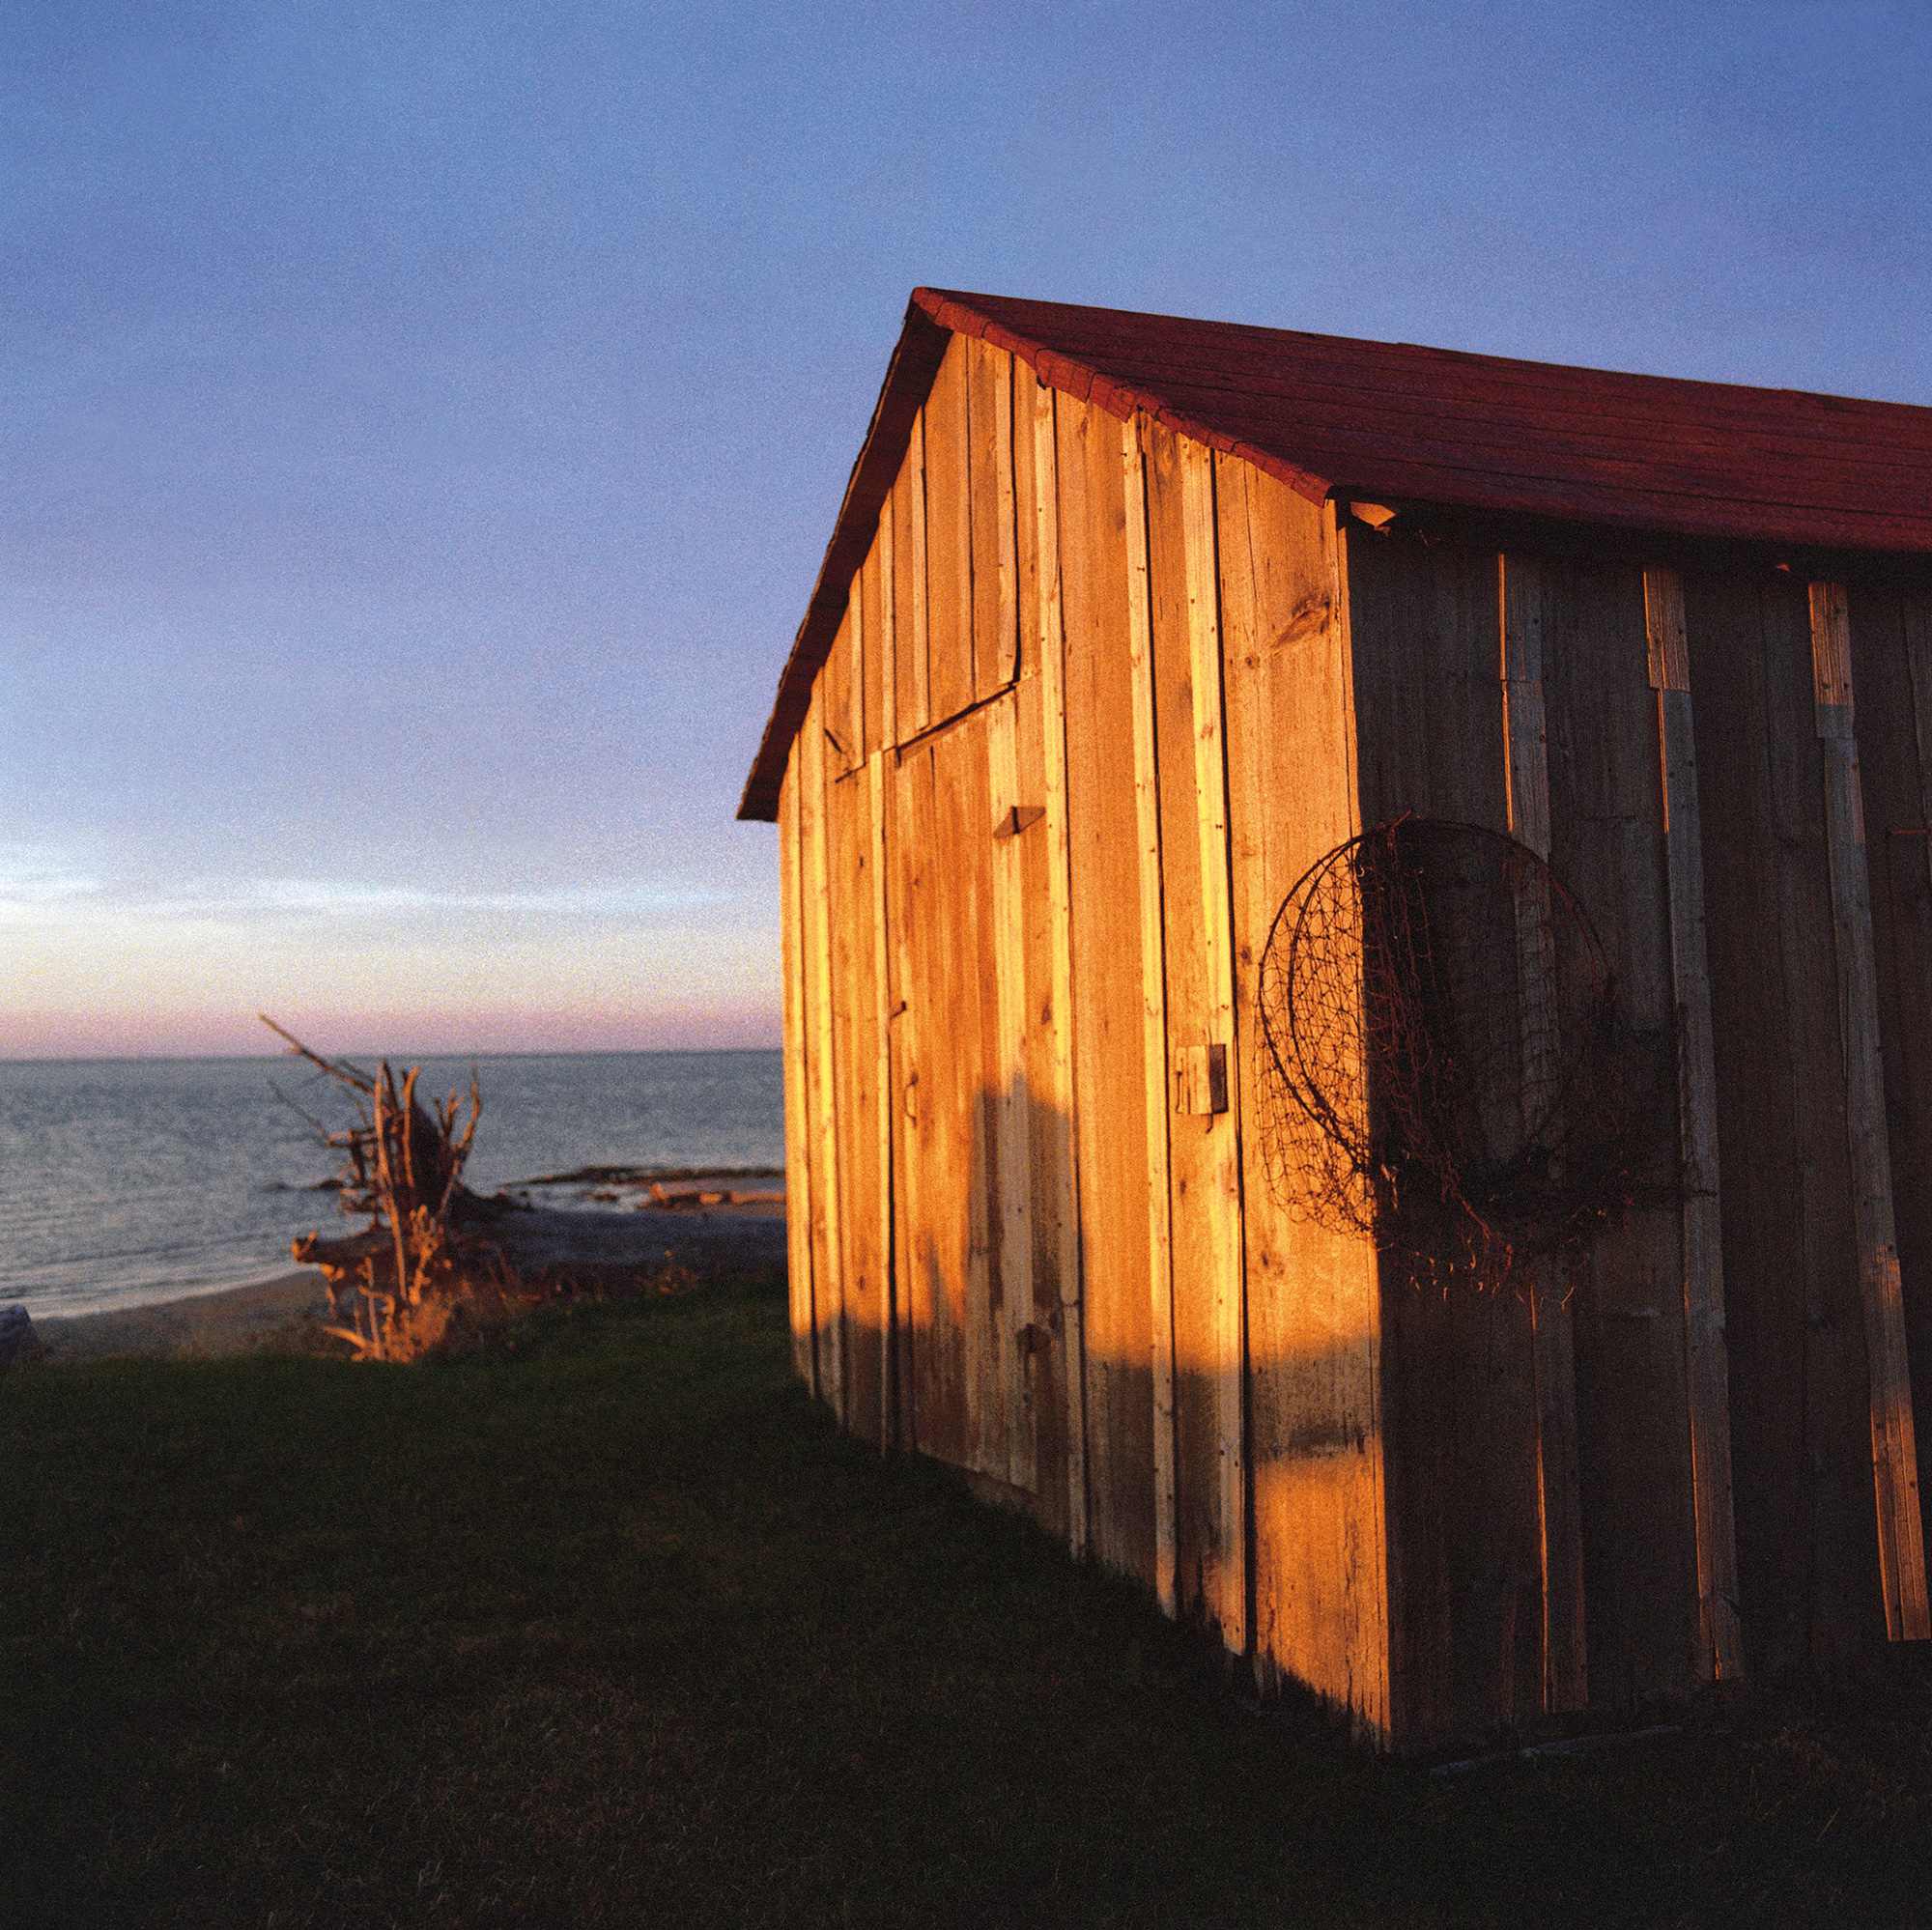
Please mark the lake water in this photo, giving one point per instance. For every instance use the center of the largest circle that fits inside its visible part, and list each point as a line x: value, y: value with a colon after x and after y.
x: 127, y: 1181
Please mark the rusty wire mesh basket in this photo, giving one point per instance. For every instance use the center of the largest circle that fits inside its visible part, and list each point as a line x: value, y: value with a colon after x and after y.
x: 1443, y: 1064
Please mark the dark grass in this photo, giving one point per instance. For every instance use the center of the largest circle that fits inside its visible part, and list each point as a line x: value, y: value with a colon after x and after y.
x: 607, y: 1625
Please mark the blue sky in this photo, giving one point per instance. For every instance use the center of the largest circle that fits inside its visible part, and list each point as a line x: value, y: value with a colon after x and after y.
x: 421, y: 425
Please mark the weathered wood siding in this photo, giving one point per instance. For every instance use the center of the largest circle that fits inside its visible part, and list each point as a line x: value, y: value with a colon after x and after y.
x: 1459, y: 1378
x: 929, y: 943
x: 1633, y: 1416
x: 1808, y: 1548
x: 1314, y: 1447
x: 1109, y: 1035
x: 1516, y: 693
x: 1203, y: 1165
x: 1892, y: 659
x: 797, y: 1084
x: 1100, y: 699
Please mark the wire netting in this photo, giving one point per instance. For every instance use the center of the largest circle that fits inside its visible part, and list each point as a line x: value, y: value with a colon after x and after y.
x: 1443, y: 1062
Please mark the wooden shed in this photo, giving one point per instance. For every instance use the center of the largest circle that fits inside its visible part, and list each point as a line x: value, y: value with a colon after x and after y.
x: 1163, y: 681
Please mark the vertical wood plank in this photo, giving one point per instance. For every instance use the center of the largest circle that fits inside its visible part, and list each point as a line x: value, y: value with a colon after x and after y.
x: 1227, y: 1588
x: 828, y: 1304
x: 1888, y: 636
x: 1802, y: 1470
x: 1917, y: 619
x: 861, y: 670
x: 910, y: 781
x: 917, y: 565
x: 942, y: 877
x: 1060, y: 1099
x: 983, y: 508
x: 1565, y: 1662
x: 1196, y: 1436
x: 949, y: 540
x: 1910, y: 894
x: 1110, y: 1125
x: 963, y: 1078
x: 835, y: 702
x: 1313, y: 1293
x: 1707, y: 1364
x: 995, y: 604
x: 1006, y: 662
x: 1836, y: 1575
x: 879, y: 569
x: 798, y: 1106
x: 1627, y: 1303
x: 878, y: 657
x: 1045, y: 1338
x: 1010, y: 1095
x: 1457, y: 1381
x: 1026, y: 534
x: 912, y: 710
x: 858, y: 1097
x: 1894, y: 1451
x: 882, y: 1074
x: 1153, y: 1012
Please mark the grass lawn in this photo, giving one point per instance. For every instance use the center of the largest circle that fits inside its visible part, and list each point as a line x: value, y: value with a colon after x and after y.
x: 608, y: 1625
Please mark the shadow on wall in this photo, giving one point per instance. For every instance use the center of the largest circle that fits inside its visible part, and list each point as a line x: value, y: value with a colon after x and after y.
x: 960, y: 1350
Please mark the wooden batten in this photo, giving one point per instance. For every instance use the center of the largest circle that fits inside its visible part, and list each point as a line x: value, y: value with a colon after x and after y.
x: 828, y: 1299
x: 1153, y: 1012
x: 797, y: 1077
x: 1059, y: 1101
x: 1227, y: 1588
x: 1565, y: 1653
x: 1706, y: 1361
x: 1894, y: 1450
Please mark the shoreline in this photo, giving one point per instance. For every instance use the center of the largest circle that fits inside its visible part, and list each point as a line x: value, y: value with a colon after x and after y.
x: 280, y: 1315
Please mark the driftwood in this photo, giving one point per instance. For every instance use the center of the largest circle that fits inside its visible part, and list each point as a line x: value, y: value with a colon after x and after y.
x: 395, y: 1289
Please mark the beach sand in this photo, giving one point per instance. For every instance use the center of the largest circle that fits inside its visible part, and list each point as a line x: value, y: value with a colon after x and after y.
x: 203, y: 1326
x: 280, y: 1315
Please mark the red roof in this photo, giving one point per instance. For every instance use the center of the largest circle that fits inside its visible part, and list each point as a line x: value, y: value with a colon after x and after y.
x: 1381, y: 420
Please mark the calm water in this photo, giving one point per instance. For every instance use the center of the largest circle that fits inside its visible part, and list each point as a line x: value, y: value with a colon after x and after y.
x: 123, y: 1182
